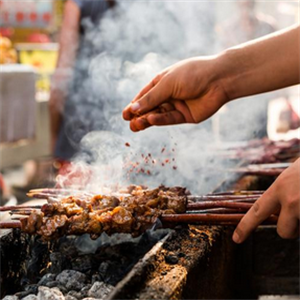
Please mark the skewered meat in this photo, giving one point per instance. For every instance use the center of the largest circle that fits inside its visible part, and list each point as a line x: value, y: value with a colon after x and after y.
x: 133, y: 213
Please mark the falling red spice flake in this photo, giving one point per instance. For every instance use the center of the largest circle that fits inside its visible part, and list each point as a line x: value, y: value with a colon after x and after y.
x: 149, y: 154
x: 173, y: 159
x: 174, y: 167
x: 167, y: 161
x: 143, y: 156
x: 153, y: 161
x: 148, y: 172
x: 163, y: 150
x: 127, y: 144
x: 163, y: 164
x: 142, y: 170
x: 173, y: 150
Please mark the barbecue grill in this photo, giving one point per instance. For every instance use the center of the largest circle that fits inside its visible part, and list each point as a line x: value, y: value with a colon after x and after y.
x: 187, y: 261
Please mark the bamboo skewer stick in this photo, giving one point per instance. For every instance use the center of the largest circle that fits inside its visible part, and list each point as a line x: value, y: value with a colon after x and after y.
x: 238, y: 193
x: 56, y: 191
x: 219, y: 204
x: 223, y: 198
x: 215, y: 211
x: 10, y: 224
x: 16, y: 207
x: 210, y: 218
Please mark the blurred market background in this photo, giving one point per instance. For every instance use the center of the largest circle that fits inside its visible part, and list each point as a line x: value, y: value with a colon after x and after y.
x: 29, y: 45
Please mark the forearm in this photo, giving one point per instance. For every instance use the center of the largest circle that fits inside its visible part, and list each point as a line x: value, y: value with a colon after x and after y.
x: 262, y: 65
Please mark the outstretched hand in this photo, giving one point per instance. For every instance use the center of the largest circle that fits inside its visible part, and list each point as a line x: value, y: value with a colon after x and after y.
x: 186, y: 92
x: 282, y: 197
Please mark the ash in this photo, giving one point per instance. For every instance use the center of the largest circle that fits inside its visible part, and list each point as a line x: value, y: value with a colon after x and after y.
x: 70, y: 268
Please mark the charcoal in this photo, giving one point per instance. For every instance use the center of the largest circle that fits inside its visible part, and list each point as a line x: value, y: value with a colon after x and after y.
x: 58, y: 262
x: 95, y: 277
x: 29, y: 290
x: 72, y: 280
x: 86, y: 288
x: 52, y: 284
x: 69, y: 297
x: 100, y: 290
x: 30, y: 297
x: 32, y: 288
x: 103, y: 268
x: 82, y: 264
x: 171, y: 259
x: 10, y: 298
x: 46, y: 278
x: 46, y: 293
x: 74, y: 294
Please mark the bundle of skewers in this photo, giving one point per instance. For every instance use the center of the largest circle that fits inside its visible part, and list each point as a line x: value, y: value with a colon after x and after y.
x: 262, y: 151
x: 70, y: 212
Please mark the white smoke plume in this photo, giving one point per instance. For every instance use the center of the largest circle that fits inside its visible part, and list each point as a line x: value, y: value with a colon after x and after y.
x: 136, y: 40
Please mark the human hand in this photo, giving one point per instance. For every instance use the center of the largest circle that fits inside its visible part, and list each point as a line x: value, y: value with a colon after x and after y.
x: 187, y: 92
x: 283, y: 197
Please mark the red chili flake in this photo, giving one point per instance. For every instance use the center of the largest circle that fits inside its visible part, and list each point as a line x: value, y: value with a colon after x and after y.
x: 163, y: 149
x: 173, y: 150
x: 167, y: 161
x: 148, y: 172
x: 127, y: 144
x: 142, y: 155
x: 153, y: 161
x: 149, y: 154
x: 142, y: 170
x: 163, y: 164
x: 173, y: 159
x: 174, y: 167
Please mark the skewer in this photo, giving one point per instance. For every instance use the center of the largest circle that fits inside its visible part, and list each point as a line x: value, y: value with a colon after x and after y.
x: 219, y: 204
x: 44, y: 195
x: 237, y: 193
x: 210, y: 218
x: 21, y: 212
x: 10, y: 224
x: 258, y: 172
x: 237, y: 198
x: 16, y: 207
x: 215, y: 211
x: 58, y: 191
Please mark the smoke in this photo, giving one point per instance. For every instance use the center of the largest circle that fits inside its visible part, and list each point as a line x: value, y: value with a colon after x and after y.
x: 117, y: 58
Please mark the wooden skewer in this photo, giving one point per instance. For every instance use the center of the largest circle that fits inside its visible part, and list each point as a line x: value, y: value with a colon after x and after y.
x: 223, y: 198
x: 16, y: 207
x: 215, y: 211
x: 21, y: 212
x: 56, y: 191
x: 10, y: 224
x: 44, y: 195
x: 237, y: 193
x: 219, y: 204
x: 61, y: 192
x: 210, y: 218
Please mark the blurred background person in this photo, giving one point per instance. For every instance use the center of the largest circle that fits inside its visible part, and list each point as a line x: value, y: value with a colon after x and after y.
x: 74, y: 109
x: 247, y: 25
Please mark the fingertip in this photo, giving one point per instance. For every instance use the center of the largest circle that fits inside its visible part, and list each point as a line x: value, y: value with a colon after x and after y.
x: 126, y: 115
x: 132, y: 126
x: 236, y: 238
